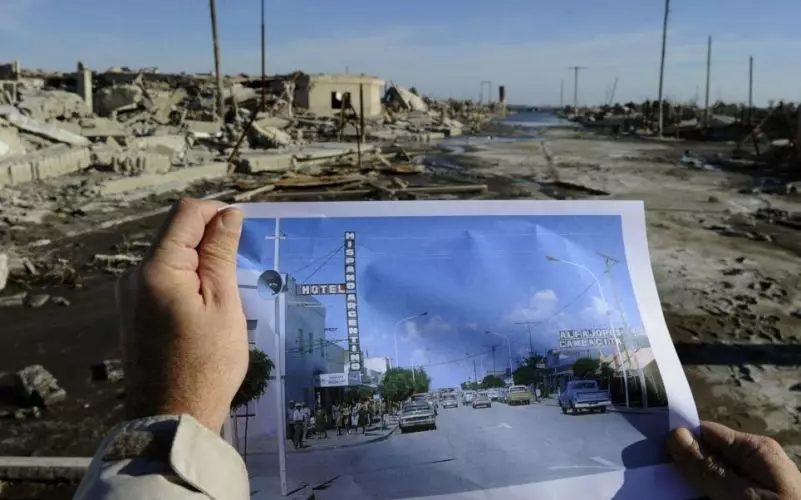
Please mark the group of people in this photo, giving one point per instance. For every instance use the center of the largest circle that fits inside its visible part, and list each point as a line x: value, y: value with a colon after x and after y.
x: 352, y: 416
x: 303, y: 423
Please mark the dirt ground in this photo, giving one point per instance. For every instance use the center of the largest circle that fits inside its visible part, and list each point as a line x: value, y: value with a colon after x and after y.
x: 732, y: 299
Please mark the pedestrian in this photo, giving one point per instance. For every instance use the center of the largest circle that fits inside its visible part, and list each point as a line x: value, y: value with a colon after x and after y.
x: 306, y: 418
x: 354, y: 416
x: 290, y: 421
x: 537, y: 394
x: 297, y: 426
x: 363, y: 416
x: 322, y: 432
x: 336, y: 410
x: 346, y: 417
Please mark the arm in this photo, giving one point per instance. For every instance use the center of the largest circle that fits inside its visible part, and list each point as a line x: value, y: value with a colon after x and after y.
x: 171, y: 457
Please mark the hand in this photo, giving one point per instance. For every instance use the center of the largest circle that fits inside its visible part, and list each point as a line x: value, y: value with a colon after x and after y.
x: 731, y: 465
x: 184, y: 335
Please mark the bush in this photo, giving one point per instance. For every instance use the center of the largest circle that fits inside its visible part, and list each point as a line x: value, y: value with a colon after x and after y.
x: 256, y: 378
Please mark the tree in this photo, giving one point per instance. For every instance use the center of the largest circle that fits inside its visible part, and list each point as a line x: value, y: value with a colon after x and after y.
x: 528, y: 373
x: 397, y: 385
x: 492, y: 381
x: 586, y: 367
x: 365, y: 393
x: 470, y: 386
x: 255, y: 382
x: 421, y: 381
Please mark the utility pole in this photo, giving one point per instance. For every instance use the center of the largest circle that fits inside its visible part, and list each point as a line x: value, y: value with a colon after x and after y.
x: 662, y: 68
x: 217, y: 71
x: 530, y: 342
x: 475, y: 375
x: 708, y: 79
x: 493, y: 360
x: 750, y: 88
x: 576, y: 70
x: 562, y: 95
x: 263, y: 60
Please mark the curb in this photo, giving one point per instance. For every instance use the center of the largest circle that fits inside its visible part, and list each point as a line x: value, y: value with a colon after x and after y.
x: 43, y: 469
x: 349, y: 445
x: 641, y: 411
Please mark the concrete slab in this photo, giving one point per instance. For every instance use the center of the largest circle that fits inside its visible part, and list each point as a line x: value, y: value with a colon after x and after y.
x: 39, y: 128
x: 43, y: 164
x: 282, y: 160
x: 184, y: 175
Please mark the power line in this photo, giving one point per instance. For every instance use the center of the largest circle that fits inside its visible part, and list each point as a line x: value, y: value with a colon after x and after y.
x: 323, y: 264
x: 576, y: 70
x: 315, y: 261
x: 454, y: 360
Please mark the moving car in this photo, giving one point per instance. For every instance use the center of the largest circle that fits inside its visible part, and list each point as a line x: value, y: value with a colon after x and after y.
x: 417, y: 415
x: 581, y: 395
x: 493, y: 394
x: 449, y: 401
x: 467, y: 397
x: 482, y: 399
x: 519, y: 395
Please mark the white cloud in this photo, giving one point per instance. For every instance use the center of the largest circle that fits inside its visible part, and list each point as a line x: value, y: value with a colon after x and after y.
x: 421, y: 357
x: 471, y: 326
x: 426, y: 327
x: 541, y: 305
x: 598, y: 313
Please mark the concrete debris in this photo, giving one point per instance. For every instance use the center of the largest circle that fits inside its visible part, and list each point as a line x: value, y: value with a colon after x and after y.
x: 270, y: 137
x: 110, y: 370
x: 406, y: 99
x: 15, y: 300
x: 37, y: 300
x: 22, y: 122
x: 37, y: 386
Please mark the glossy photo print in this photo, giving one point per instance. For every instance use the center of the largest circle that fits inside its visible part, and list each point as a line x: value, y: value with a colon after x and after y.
x: 430, y: 349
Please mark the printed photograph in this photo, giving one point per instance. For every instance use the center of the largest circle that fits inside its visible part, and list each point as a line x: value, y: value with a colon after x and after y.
x: 442, y: 355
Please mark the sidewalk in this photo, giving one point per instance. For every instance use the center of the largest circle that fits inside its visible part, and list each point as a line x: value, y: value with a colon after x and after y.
x: 374, y: 434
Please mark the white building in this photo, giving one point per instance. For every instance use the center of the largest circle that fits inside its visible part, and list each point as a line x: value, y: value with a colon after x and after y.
x: 375, y: 367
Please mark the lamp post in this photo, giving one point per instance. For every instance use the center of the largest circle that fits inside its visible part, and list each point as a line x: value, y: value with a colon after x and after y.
x: 508, y: 344
x: 551, y: 258
x: 395, y: 333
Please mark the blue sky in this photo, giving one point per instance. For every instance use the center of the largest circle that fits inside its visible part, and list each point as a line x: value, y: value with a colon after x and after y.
x: 445, y: 48
x: 470, y: 274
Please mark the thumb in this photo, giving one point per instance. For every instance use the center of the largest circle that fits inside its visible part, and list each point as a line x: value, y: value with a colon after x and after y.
x: 703, y: 469
x: 217, y: 257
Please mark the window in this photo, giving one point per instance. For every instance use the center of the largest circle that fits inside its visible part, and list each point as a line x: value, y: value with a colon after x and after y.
x: 336, y: 100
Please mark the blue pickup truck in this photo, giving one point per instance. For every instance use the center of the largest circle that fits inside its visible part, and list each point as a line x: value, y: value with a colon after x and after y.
x: 583, y: 395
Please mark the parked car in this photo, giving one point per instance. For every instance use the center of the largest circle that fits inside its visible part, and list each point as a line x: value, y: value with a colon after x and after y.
x: 482, y: 400
x: 467, y: 397
x: 519, y: 395
x: 416, y: 415
x: 584, y: 395
x: 449, y: 401
x: 425, y: 398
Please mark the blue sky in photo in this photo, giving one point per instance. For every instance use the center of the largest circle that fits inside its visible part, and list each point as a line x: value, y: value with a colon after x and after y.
x: 470, y: 274
x: 444, y: 48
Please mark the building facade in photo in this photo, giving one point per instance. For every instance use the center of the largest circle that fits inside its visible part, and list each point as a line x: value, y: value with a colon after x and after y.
x: 323, y: 95
x: 376, y: 367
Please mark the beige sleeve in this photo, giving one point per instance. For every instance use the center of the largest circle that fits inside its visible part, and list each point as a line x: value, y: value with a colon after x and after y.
x: 171, y: 457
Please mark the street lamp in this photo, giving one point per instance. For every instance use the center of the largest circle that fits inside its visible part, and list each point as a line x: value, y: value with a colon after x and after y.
x: 551, y: 258
x: 395, y: 333
x: 508, y: 344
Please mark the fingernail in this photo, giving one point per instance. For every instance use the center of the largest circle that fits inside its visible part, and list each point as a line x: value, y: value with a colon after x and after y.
x: 232, y: 219
x: 683, y: 438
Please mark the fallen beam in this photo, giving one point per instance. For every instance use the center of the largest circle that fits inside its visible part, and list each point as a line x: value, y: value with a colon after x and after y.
x: 253, y: 192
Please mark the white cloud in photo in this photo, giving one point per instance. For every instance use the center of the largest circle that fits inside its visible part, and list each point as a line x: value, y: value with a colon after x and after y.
x: 472, y: 325
x: 425, y: 328
x: 598, y: 314
x: 421, y: 357
x: 540, y: 305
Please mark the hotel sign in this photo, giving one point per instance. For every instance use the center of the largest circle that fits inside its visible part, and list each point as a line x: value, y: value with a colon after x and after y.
x: 348, y: 289
x: 351, y: 310
x: 331, y: 289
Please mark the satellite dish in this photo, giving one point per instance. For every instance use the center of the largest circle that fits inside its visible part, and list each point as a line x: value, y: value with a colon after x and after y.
x: 270, y: 284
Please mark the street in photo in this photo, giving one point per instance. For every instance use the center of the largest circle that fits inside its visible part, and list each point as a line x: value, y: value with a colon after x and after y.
x: 421, y: 352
